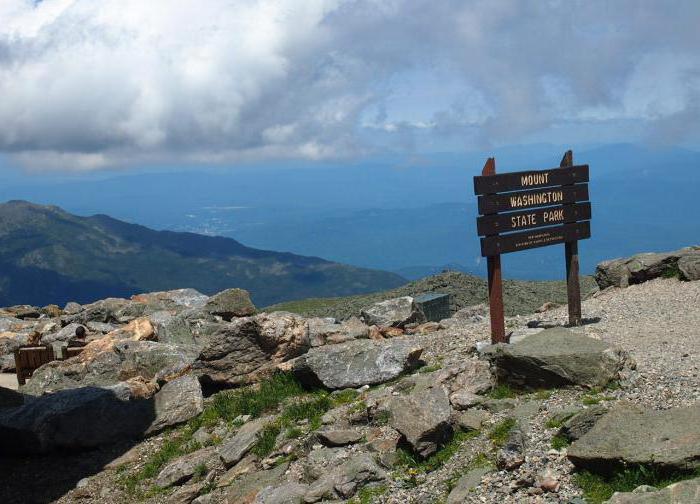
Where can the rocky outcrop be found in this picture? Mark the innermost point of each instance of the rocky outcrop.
(249, 347)
(397, 312)
(357, 363)
(668, 439)
(642, 267)
(682, 492)
(556, 357)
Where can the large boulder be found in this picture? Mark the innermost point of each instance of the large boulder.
(190, 327)
(323, 331)
(642, 267)
(74, 419)
(65, 334)
(357, 363)
(120, 355)
(249, 347)
(9, 342)
(667, 439)
(422, 416)
(556, 357)
(230, 303)
(172, 299)
(682, 492)
(395, 312)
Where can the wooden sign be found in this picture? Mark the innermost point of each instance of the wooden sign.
(550, 206)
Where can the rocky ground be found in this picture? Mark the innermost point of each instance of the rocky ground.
(396, 410)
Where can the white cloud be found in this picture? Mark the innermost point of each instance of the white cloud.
(86, 84)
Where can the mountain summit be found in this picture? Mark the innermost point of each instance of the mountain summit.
(50, 256)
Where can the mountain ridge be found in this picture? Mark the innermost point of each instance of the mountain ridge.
(48, 255)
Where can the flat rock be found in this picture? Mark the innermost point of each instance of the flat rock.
(246, 488)
(466, 484)
(668, 439)
(287, 493)
(357, 363)
(340, 437)
(689, 266)
(235, 448)
(395, 312)
(183, 468)
(580, 423)
(683, 492)
(556, 357)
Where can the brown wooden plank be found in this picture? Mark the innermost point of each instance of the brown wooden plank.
(527, 219)
(520, 200)
(573, 289)
(531, 179)
(523, 240)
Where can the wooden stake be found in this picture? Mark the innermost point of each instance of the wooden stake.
(573, 289)
(498, 329)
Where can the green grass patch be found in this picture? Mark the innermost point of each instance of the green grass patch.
(597, 488)
(294, 433)
(542, 395)
(266, 440)
(344, 397)
(559, 442)
(672, 271)
(368, 494)
(480, 460)
(557, 421)
(408, 460)
(430, 369)
(381, 418)
(503, 391)
(500, 432)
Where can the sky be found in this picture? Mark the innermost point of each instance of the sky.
(90, 85)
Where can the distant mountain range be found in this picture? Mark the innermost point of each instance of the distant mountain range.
(48, 256)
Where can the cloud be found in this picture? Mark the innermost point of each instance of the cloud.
(87, 84)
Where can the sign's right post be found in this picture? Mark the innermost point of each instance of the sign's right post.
(573, 289)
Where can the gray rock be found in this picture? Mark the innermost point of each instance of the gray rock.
(642, 267)
(512, 454)
(100, 327)
(668, 439)
(339, 437)
(177, 402)
(183, 468)
(395, 312)
(247, 486)
(72, 308)
(579, 424)
(74, 419)
(229, 304)
(357, 363)
(116, 362)
(65, 334)
(466, 484)
(176, 299)
(689, 266)
(288, 493)
(343, 481)
(234, 449)
(186, 493)
(319, 461)
(470, 420)
(249, 347)
(462, 400)
(556, 357)
(422, 416)
(9, 342)
(104, 310)
(683, 492)
(499, 405)
(10, 398)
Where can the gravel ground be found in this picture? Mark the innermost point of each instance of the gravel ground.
(658, 322)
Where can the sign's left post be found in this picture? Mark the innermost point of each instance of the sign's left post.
(493, 262)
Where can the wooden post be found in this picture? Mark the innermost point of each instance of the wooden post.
(573, 289)
(498, 329)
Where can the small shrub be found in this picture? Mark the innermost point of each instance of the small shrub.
(200, 471)
(559, 442)
(382, 417)
(367, 494)
(344, 397)
(294, 433)
(502, 391)
(556, 422)
(500, 432)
